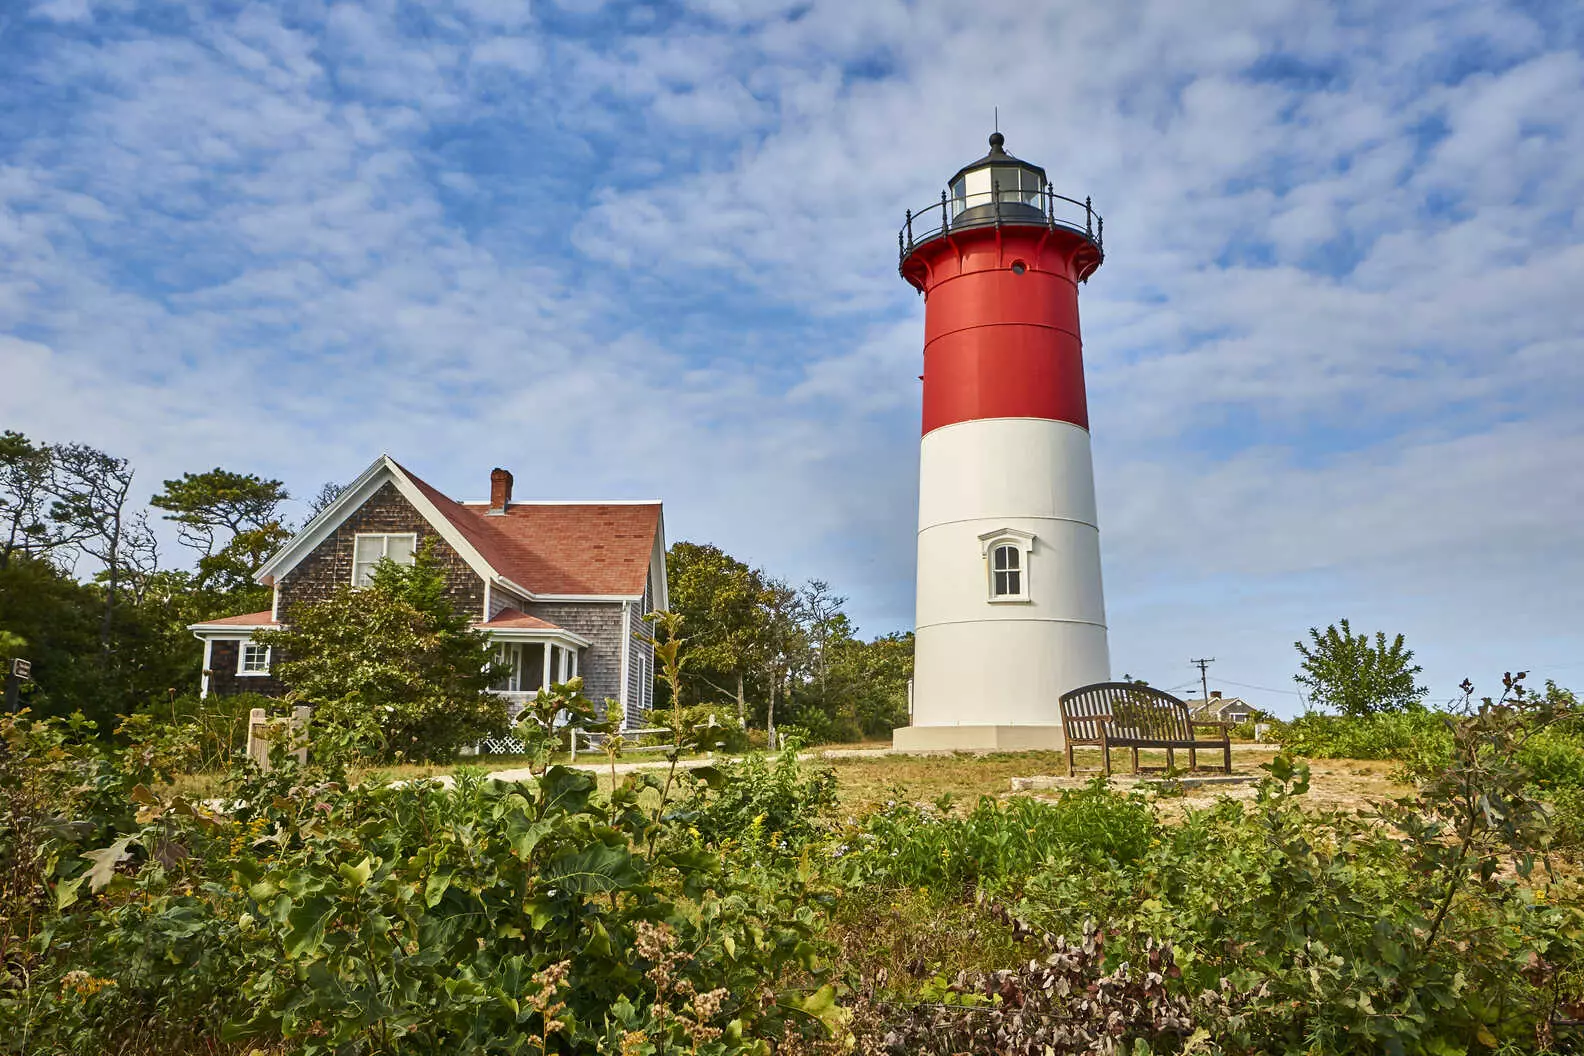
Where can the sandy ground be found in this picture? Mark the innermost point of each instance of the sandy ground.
(1334, 785)
(868, 776)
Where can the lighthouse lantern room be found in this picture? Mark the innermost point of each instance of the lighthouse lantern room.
(1010, 612)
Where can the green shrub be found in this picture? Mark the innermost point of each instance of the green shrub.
(394, 662)
(762, 805)
(1331, 933)
(319, 918)
(1418, 737)
(220, 724)
(716, 727)
(994, 846)
(1555, 757)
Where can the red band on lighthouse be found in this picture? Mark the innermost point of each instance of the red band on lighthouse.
(1001, 326)
(1006, 371)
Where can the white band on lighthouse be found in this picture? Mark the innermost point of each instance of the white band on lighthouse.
(985, 664)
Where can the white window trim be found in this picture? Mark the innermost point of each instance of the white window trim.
(1024, 542)
(242, 648)
(384, 548)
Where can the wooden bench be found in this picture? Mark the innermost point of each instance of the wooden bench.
(1127, 715)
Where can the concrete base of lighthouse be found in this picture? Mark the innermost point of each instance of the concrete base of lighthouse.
(926, 739)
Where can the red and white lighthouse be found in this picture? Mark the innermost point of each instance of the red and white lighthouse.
(1010, 612)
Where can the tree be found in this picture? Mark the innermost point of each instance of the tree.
(91, 490)
(869, 685)
(1353, 676)
(328, 492)
(232, 520)
(722, 601)
(825, 626)
(393, 662)
(784, 644)
(28, 488)
(58, 618)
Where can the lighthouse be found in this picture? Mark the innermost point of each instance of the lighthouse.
(1010, 612)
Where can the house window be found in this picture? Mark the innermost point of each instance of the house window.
(253, 659)
(367, 550)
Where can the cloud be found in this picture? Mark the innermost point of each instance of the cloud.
(1332, 354)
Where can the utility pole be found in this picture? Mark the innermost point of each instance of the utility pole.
(1204, 680)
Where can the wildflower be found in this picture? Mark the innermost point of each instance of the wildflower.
(82, 983)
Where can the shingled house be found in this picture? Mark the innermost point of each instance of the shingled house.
(560, 587)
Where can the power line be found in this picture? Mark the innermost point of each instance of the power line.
(1268, 689)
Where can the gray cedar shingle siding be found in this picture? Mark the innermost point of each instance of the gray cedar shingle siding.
(640, 673)
(501, 599)
(224, 680)
(600, 623)
(330, 564)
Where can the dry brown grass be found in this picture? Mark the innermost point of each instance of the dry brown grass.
(867, 781)
(1347, 785)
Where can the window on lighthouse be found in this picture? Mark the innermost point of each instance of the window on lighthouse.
(1006, 571)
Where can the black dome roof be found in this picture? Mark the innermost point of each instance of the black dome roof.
(998, 156)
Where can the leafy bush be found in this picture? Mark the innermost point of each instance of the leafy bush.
(995, 844)
(395, 662)
(1066, 1000)
(218, 724)
(1418, 737)
(1344, 671)
(715, 727)
(760, 805)
(322, 918)
(1341, 933)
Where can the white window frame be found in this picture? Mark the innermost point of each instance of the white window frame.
(243, 671)
(384, 548)
(1023, 543)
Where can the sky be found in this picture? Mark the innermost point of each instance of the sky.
(1334, 355)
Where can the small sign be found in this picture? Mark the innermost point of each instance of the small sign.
(22, 669)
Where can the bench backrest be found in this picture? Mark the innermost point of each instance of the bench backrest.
(1134, 711)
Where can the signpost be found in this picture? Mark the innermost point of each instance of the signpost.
(19, 672)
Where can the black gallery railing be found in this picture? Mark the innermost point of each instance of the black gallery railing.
(996, 207)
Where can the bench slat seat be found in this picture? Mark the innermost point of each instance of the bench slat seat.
(1128, 715)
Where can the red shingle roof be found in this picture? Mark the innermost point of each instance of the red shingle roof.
(516, 620)
(559, 548)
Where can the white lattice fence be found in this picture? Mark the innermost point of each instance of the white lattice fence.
(505, 744)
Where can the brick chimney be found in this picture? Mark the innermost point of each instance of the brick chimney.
(500, 490)
(1215, 694)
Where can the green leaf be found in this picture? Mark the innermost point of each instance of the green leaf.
(540, 912)
(306, 926)
(595, 870)
(525, 835)
(66, 892)
(599, 944)
(710, 775)
(357, 875)
(435, 888)
(821, 1004)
